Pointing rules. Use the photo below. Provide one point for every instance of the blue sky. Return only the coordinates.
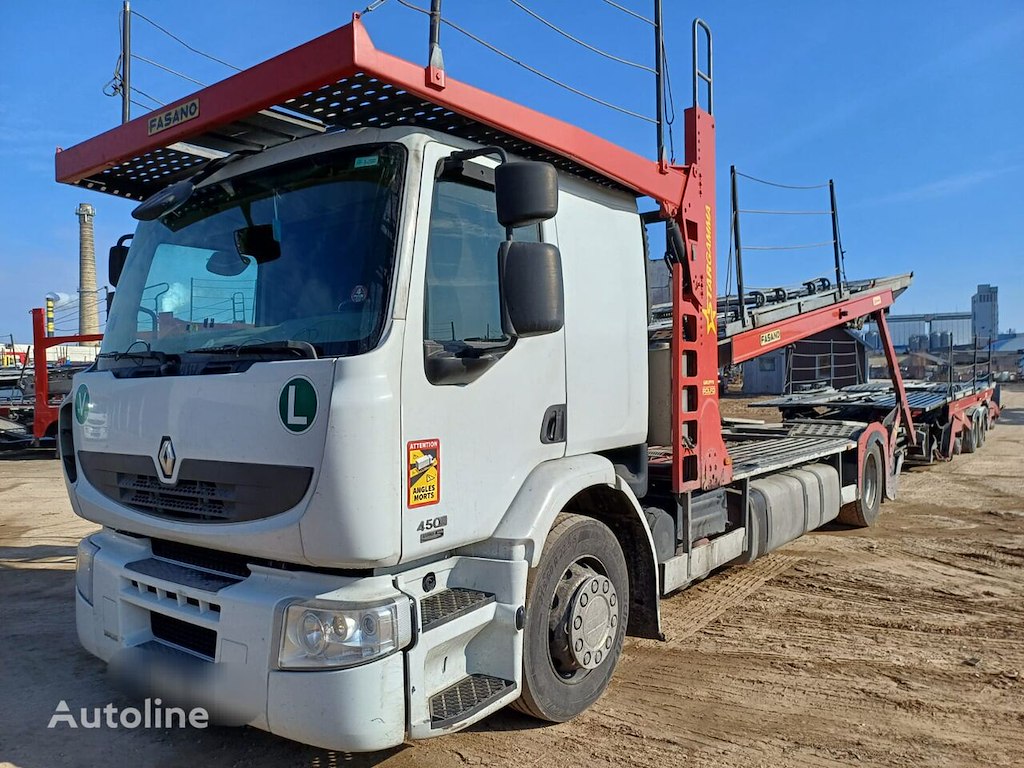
(915, 108)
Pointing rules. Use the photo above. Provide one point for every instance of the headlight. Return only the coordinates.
(83, 571)
(322, 633)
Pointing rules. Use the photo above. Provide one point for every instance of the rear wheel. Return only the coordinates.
(577, 608)
(863, 512)
(969, 436)
(982, 426)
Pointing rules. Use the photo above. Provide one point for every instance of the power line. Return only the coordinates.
(787, 247)
(781, 186)
(527, 67)
(151, 98)
(671, 103)
(158, 65)
(182, 42)
(576, 40)
(786, 213)
(629, 12)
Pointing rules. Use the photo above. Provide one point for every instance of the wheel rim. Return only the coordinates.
(583, 621)
(870, 480)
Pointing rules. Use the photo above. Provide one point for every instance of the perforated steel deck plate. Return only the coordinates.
(443, 606)
(469, 695)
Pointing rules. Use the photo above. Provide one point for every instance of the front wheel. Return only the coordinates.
(577, 608)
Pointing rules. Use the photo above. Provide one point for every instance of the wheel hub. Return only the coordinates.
(593, 617)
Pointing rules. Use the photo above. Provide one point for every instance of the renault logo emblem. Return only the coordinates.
(165, 458)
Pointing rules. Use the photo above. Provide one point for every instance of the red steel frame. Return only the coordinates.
(45, 413)
(956, 414)
(684, 193)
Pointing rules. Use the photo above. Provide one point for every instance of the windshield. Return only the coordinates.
(303, 251)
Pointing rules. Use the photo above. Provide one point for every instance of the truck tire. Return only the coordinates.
(863, 512)
(982, 426)
(969, 436)
(577, 609)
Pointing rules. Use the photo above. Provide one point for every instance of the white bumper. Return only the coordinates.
(358, 709)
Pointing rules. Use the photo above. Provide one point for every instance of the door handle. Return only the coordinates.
(552, 426)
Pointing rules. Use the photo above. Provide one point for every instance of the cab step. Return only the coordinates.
(467, 697)
(448, 604)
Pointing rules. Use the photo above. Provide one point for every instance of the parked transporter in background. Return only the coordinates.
(376, 436)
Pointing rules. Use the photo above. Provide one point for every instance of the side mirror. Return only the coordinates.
(116, 259)
(530, 281)
(526, 193)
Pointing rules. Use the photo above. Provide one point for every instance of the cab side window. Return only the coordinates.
(462, 304)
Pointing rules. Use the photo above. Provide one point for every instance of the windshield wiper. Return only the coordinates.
(288, 347)
(139, 356)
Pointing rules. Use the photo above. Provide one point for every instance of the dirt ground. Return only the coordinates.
(902, 645)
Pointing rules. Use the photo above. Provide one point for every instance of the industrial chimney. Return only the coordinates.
(88, 308)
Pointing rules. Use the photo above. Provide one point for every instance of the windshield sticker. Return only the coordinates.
(358, 294)
(366, 162)
(424, 466)
(297, 405)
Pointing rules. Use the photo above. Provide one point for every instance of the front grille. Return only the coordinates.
(198, 640)
(205, 491)
(186, 500)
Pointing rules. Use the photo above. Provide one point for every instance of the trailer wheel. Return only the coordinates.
(982, 426)
(863, 512)
(969, 436)
(577, 609)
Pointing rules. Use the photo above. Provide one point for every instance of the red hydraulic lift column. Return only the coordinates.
(902, 405)
(699, 456)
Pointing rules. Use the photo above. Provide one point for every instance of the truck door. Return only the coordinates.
(479, 410)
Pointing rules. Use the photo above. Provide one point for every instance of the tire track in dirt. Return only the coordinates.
(688, 612)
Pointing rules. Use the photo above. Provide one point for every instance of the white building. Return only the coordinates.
(985, 313)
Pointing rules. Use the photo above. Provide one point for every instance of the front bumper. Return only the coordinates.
(237, 629)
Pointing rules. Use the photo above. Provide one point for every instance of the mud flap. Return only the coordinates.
(892, 479)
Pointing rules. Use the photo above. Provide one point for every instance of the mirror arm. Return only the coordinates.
(456, 159)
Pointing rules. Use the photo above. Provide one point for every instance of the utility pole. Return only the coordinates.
(126, 62)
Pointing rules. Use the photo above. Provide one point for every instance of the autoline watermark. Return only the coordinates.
(152, 715)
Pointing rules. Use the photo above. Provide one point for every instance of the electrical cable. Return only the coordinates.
(781, 186)
(158, 65)
(182, 42)
(629, 12)
(151, 98)
(786, 213)
(576, 40)
(787, 247)
(529, 68)
(671, 103)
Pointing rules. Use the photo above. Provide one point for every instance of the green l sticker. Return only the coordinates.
(297, 405)
(81, 404)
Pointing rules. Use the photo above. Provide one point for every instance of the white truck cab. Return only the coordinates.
(325, 426)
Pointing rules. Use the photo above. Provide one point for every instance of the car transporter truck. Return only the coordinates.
(379, 437)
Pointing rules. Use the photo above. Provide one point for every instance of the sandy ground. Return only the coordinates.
(898, 646)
